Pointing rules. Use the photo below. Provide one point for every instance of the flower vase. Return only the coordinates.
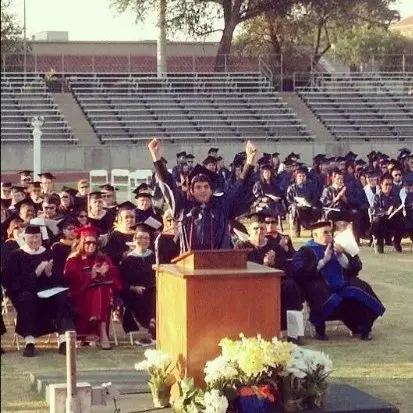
(256, 399)
(161, 396)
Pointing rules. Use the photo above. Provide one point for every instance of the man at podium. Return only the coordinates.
(203, 216)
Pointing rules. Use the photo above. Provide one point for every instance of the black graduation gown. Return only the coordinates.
(142, 216)
(103, 224)
(351, 300)
(327, 200)
(136, 270)
(291, 297)
(166, 248)
(60, 254)
(116, 245)
(36, 316)
(7, 247)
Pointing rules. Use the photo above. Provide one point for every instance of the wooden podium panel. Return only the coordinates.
(196, 308)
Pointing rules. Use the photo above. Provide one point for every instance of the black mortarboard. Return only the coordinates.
(213, 150)
(95, 195)
(47, 175)
(17, 188)
(372, 173)
(190, 156)
(68, 222)
(26, 201)
(384, 161)
(70, 191)
(341, 216)
(201, 170)
(319, 157)
(143, 194)
(32, 229)
(264, 160)
(302, 170)
(108, 187)
(340, 159)
(293, 155)
(142, 188)
(25, 172)
(179, 154)
(275, 154)
(360, 162)
(266, 166)
(35, 184)
(209, 159)
(144, 227)
(289, 162)
(320, 224)
(6, 184)
(126, 206)
(266, 155)
(259, 214)
(351, 155)
(382, 155)
(371, 155)
(404, 152)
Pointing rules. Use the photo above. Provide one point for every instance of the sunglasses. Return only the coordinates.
(90, 242)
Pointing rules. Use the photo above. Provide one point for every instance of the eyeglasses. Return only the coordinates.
(90, 242)
(106, 195)
(142, 238)
(397, 174)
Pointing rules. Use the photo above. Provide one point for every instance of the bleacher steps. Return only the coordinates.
(319, 132)
(72, 113)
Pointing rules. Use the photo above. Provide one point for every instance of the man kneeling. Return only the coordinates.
(28, 271)
(328, 278)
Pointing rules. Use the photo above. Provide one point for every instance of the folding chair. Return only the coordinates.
(139, 176)
(120, 178)
(102, 176)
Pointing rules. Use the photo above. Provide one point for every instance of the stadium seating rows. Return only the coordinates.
(363, 106)
(23, 97)
(185, 107)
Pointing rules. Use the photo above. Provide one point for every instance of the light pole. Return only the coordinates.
(37, 123)
(161, 43)
(24, 39)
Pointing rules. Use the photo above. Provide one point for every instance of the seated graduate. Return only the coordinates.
(284, 241)
(99, 217)
(335, 197)
(64, 247)
(138, 278)
(387, 216)
(167, 242)
(92, 279)
(406, 196)
(302, 201)
(266, 251)
(15, 228)
(328, 276)
(203, 218)
(6, 194)
(123, 232)
(28, 271)
(34, 192)
(67, 201)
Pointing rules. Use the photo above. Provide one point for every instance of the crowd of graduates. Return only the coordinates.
(72, 259)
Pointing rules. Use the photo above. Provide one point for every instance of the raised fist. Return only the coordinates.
(154, 147)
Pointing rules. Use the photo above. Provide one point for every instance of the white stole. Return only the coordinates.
(370, 194)
(403, 195)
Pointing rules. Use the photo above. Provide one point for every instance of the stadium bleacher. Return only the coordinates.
(25, 96)
(362, 105)
(190, 106)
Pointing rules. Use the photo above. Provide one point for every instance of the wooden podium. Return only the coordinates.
(204, 296)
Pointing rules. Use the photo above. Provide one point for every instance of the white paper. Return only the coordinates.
(41, 223)
(347, 241)
(241, 236)
(52, 225)
(153, 223)
(301, 201)
(295, 324)
(51, 292)
(273, 197)
(20, 241)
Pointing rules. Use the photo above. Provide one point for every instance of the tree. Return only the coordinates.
(11, 32)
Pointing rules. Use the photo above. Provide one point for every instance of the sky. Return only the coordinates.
(96, 20)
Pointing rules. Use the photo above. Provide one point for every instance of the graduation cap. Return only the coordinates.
(10, 219)
(320, 224)
(141, 226)
(125, 206)
(213, 150)
(35, 184)
(68, 222)
(340, 159)
(27, 202)
(95, 195)
(302, 170)
(371, 155)
(210, 159)
(275, 154)
(17, 188)
(293, 155)
(341, 216)
(266, 167)
(190, 156)
(180, 154)
(25, 173)
(208, 175)
(289, 162)
(143, 187)
(351, 156)
(372, 173)
(360, 162)
(108, 187)
(259, 215)
(87, 231)
(319, 157)
(70, 191)
(404, 153)
(32, 230)
(47, 175)
(6, 184)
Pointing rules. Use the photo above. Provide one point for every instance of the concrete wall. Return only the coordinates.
(144, 48)
(61, 158)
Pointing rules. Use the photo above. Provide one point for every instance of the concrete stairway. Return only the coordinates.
(319, 132)
(71, 111)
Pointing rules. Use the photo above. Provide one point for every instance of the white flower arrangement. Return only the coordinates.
(219, 369)
(215, 402)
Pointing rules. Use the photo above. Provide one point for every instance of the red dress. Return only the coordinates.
(90, 301)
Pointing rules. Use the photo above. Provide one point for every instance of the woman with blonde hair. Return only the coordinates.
(92, 279)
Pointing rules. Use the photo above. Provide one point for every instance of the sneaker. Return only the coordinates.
(145, 342)
(29, 350)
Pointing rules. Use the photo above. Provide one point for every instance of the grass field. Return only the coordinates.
(382, 367)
